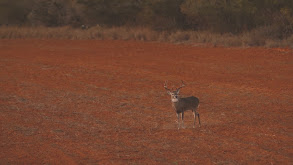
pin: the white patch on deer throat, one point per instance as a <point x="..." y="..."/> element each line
<point x="174" y="100"/>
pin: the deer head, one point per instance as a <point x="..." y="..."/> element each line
<point x="174" y="94"/>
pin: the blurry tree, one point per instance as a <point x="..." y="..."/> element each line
<point x="157" y="14"/>
<point x="237" y="16"/>
<point x="161" y="14"/>
<point x="111" y="12"/>
<point x="54" y="13"/>
<point x="277" y="14"/>
<point x="14" y="12"/>
<point x="219" y="15"/>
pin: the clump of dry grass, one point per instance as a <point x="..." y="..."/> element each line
<point x="42" y="32"/>
<point x="259" y="37"/>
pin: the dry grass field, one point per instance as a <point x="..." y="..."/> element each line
<point x="103" y="102"/>
<point x="255" y="38"/>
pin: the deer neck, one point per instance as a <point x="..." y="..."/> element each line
<point x="175" y="101"/>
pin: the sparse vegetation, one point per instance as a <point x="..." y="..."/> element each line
<point x="253" y="38"/>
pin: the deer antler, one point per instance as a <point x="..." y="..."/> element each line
<point x="183" y="85"/>
<point x="165" y="86"/>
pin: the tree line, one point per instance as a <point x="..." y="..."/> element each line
<point x="221" y="16"/>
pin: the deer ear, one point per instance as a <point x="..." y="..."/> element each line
<point x="178" y="91"/>
<point x="169" y="93"/>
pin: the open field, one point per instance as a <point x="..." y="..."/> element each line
<point x="89" y="102"/>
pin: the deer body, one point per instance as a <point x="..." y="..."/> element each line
<point x="181" y="105"/>
<point x="184" y="104"/>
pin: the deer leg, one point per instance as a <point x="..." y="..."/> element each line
<point x="198" y="118"/>
<point x="182" y="117"/>
<point x="194" y="118"/>
<point x="178" y="119"/>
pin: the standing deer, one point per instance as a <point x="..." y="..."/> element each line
<point x="183" y="104"/>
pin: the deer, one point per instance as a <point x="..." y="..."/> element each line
<point x="182" y="104"/>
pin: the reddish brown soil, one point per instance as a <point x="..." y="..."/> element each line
<point x="89" y="102"/>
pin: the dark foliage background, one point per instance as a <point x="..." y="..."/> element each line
<point x="271" y="17"/>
